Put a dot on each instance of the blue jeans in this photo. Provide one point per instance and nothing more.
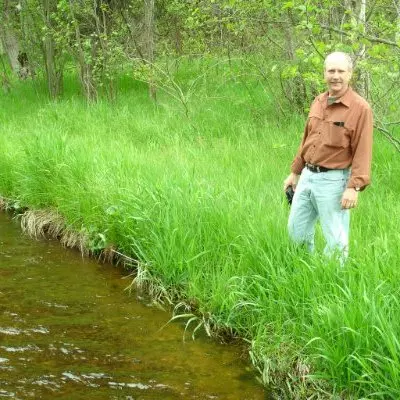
(318, 195)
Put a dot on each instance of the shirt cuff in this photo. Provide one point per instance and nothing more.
(361, 181)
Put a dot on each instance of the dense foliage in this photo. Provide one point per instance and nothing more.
(284, 41)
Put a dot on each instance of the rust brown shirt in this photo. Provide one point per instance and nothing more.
(338, 136)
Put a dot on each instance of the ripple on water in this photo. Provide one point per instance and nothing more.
(39, 329)
(11, 331)
(54, 305)
(29, 347)
(48, 384)
(85, 379)
(140, 386)
(4, 393)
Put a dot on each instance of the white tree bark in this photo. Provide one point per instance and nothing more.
(396, 4)
(363, 81)
(362, 21)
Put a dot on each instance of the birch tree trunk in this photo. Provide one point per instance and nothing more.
(362, 84)
(396, 4)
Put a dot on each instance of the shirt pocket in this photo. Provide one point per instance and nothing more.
(314, 123)
(338, 135)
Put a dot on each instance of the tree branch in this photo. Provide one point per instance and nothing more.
(370, 38)
(393, 123)
(315, 47)
(380, 126)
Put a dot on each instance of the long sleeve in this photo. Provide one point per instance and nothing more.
(298, 162)
(361, 146)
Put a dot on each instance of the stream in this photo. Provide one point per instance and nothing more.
(69, 330)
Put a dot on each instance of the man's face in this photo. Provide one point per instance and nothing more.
(337, 75)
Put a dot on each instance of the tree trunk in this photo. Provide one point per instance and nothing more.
(178, 37)
(396, 4)
(5, 80)
(103, 26)
(54, 81)
(54, 74)
(294, 88)
(362, 84)
(9, 39)
(86, 78)
(149, 42)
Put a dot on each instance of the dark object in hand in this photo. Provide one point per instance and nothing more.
(289, 194)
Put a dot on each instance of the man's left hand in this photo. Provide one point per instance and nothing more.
(349, 198)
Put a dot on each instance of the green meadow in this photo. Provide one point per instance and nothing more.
(196, 198)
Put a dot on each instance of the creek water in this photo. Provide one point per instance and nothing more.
(68, 330)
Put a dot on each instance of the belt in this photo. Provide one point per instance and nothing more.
(317, 168)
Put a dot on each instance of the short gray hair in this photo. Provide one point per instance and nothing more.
(342, 55)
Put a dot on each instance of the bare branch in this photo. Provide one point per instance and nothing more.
(370, 38)
(381, 127)
(315, 47)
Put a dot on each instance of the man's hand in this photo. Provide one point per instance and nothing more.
(291, 180)
(349, 198)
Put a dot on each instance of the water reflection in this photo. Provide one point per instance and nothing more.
(68, 331)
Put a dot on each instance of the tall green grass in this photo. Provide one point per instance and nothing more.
(199, 201)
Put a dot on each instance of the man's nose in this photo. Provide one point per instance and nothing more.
(336, 74)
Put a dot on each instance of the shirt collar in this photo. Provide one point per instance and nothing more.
(345, 99)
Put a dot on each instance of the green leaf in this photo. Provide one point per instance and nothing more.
(288, 5)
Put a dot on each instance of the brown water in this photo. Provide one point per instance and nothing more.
(69, 331)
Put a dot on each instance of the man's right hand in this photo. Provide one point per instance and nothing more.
(291, 180)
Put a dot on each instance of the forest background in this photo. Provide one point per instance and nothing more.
(163, 131)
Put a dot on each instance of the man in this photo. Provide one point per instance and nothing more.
(333, 162)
